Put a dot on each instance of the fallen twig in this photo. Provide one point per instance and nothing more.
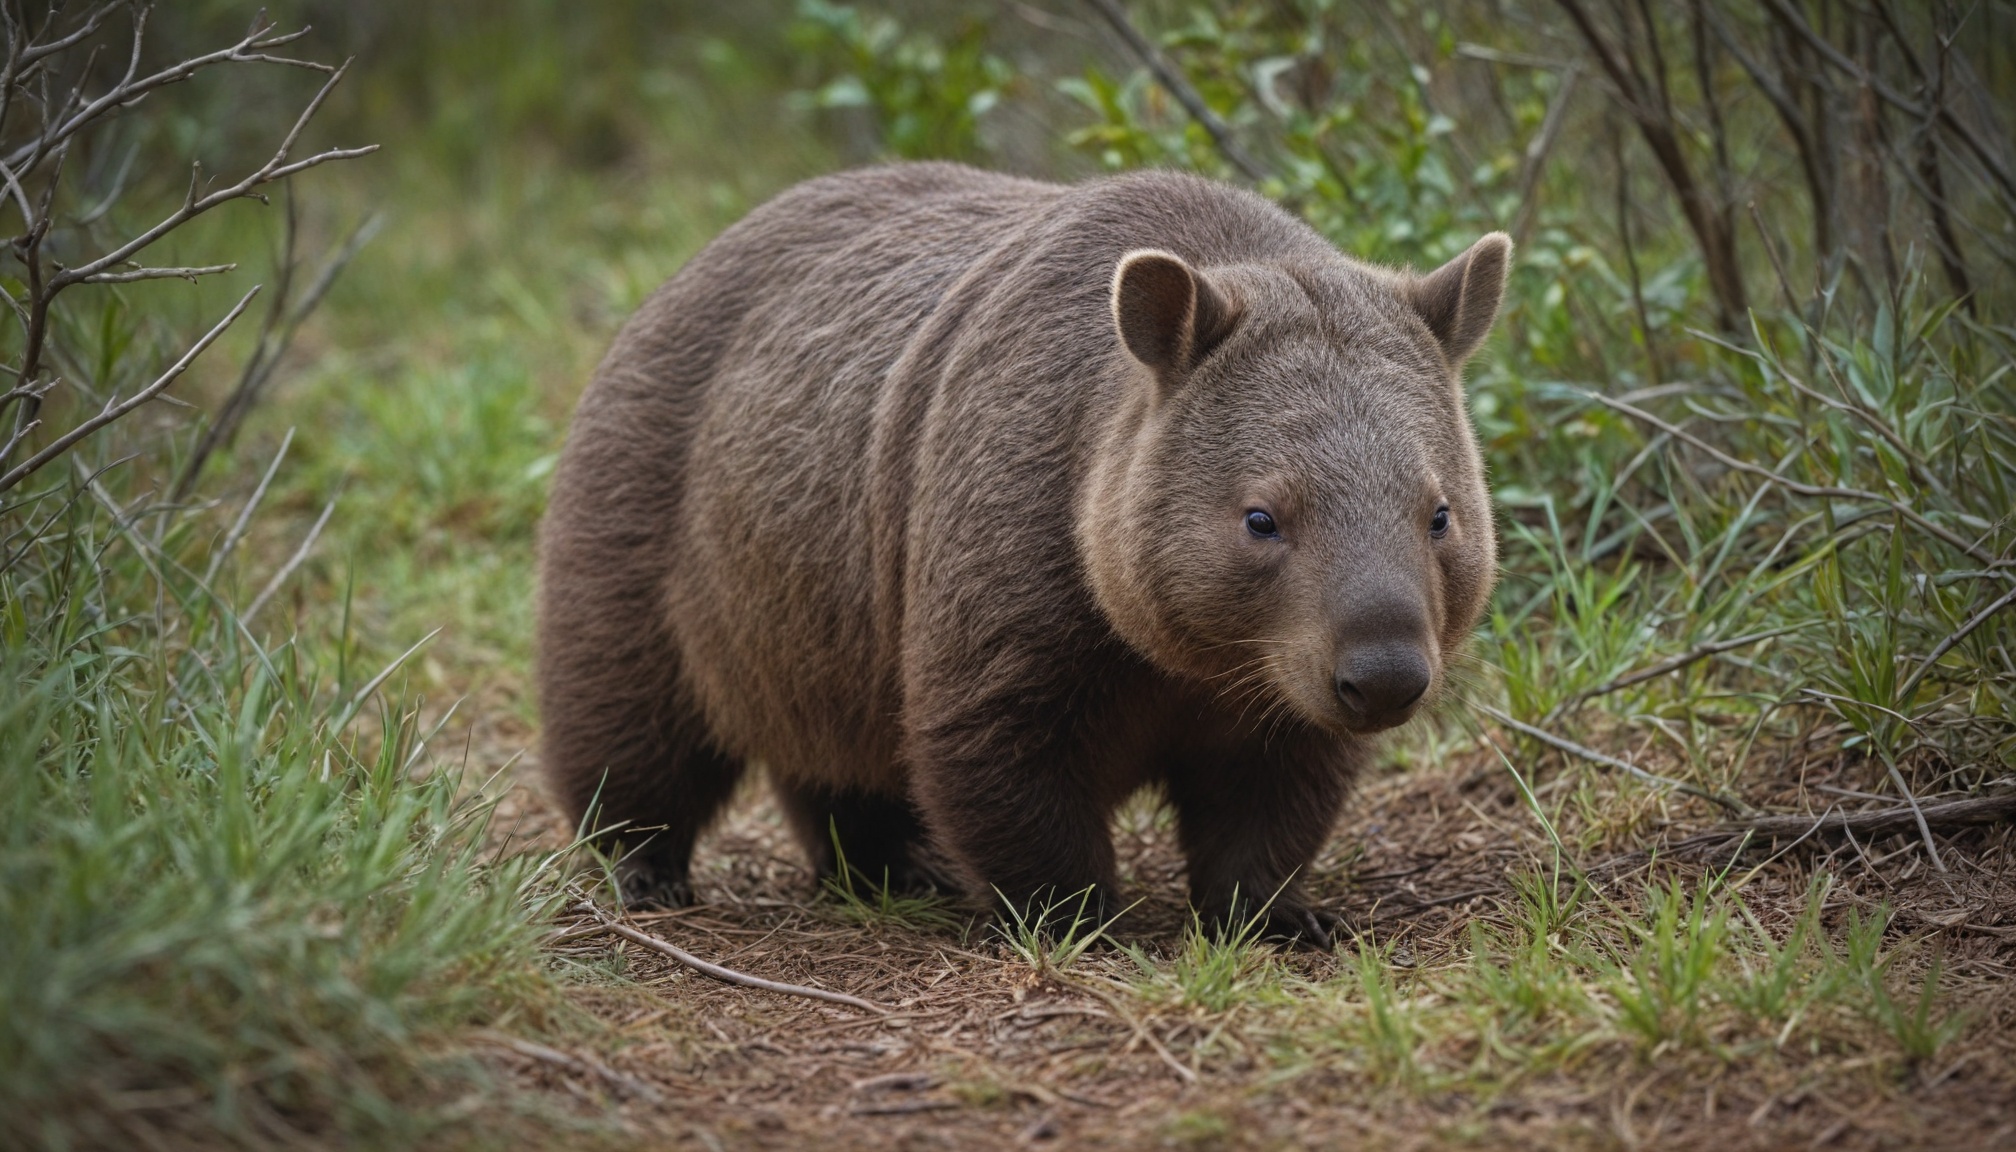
(1590, 754)
(1882, 822)
(114, 409)
(1974, 810)
(725, 975)
(584, 1065)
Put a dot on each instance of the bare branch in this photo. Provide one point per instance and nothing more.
(114, 411)
(244, 520)
(91, 24)
(1989, 159)
(1537, 152)
(1911, 682)
(725, 975)
(190, 274)
(295, 561)
(1174, 83)
(130, 91)
(1797, 488)
(274, 169)
(1609, 761)
(1671, 664)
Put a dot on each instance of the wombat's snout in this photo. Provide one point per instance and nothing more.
(1379, 683)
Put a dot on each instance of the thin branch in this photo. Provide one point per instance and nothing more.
(1987, 156)
(1590, 754)
(112, 411)
(1670, 664)
(1897, 818)
(91, 24)
(275, 336)
(1537, 153)
(244, 520)
(725, 975)
(1912, 681)
(190, 274)
(274, 169)
(295, 561)
(579, 1064)
(1176, 85)
(1794, 486)
(130, 91)
(1917, 813)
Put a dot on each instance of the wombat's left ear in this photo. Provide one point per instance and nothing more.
(1168, 314)
(1460, 299)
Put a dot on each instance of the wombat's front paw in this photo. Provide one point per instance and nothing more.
(647, 886)
(1301, 926)
(1286, 921)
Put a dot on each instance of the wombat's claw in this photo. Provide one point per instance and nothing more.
(646, 888)
(1302, 927)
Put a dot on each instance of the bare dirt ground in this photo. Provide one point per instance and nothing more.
(979, 1050)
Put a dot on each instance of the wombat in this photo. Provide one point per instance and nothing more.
(969, 505)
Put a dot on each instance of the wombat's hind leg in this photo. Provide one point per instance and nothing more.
(880, 837)
(645, 784)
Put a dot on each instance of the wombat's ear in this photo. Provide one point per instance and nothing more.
(1460, 299)
(1168, 314)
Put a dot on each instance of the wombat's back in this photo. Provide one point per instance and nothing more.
(711, 537)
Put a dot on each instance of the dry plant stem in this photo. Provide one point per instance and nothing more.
(1795, 487)
(293, 562)
(1537, 153)
(1898, 818)
(1912, 681)
(725, 975)
(1595, 757)
(275, 169)
(283, 319)
(628, 1085)
(113, 411)
(1671, 664)
(1650, 107)
(1173, 82)
(1987, 156)
(1917, 813)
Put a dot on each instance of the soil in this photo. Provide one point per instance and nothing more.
(980, 1050)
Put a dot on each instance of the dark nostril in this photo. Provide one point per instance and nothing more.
(1381, 681)
(1350, 695)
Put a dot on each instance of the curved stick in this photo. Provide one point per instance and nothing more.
(725, 975)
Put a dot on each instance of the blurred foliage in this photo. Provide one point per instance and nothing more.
(1835, 479)
(926, 96)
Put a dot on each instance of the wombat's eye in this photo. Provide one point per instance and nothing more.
(1439, 526)
(1261, 524)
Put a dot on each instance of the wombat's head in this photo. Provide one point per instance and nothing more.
(1291, 505)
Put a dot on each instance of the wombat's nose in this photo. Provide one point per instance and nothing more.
(1379, 683)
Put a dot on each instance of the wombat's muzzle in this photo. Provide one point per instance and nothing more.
(1378, 684)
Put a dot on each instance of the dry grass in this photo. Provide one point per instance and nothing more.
(981, 1050)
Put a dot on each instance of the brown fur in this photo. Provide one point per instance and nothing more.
(926, 488)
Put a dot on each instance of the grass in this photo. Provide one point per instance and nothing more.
(243, 900)
(228, 901)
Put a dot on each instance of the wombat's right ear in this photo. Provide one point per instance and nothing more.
(1168, 314)
(1460, 299)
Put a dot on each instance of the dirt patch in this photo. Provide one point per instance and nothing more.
(981, 1050)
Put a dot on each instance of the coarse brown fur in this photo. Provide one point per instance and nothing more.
(933, 491)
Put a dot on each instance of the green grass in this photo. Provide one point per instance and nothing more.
(239, 897)
(1051, 933)
(227, 900)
